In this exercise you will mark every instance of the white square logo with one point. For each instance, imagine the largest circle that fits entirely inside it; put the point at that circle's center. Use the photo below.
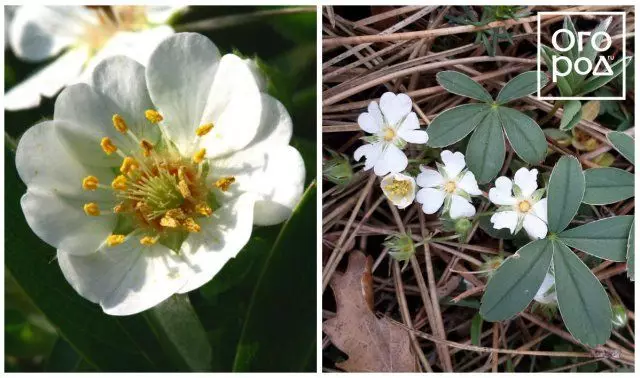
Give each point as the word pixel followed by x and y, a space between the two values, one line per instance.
pixel 561 62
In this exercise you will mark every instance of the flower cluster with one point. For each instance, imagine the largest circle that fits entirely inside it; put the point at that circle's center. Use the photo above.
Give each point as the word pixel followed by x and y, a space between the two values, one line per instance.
pixel 450 187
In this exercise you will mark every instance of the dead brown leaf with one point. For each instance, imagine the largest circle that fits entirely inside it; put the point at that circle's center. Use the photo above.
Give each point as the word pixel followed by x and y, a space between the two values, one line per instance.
pixel 372 344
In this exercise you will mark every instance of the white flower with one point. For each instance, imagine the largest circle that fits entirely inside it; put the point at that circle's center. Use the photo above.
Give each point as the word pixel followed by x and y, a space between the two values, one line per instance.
pixel 399 189
pixel 547 292
pixel 522 208
pixel 451 185
pixel 147 181
pixel 392 124
pixel 85 37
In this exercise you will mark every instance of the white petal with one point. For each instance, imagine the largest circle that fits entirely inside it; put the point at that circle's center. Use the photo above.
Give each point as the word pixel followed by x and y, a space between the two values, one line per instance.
pixel 258 75
pixel 505 219
pixel 469 184
pixel 275 127
pixel 539 209
pixel 47 81
pixel 128 278
pixel 376 113
pixel 501 194
pixel 372 153
pixel 429 178
pixel 536 228
pixel 222 236
pixel 179 77
pixel 431 199
pixel 403 201
pixel 135 45
pixel 453 162
pixel 541 295
pixel 460 207
pixel 395 107
pixel 392 160
pixel 526 181
pixel 409 130
pixel 160 14
pixel 368 123
pixel 234 106
pixel 40 32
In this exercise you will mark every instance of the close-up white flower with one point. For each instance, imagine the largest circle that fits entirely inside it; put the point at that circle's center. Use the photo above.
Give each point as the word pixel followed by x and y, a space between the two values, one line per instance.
pixel 148 180
pixel 546 294
pixel 521 204
pixel 392 125
pixel 450 187
pixel 399 189
pixel 80 38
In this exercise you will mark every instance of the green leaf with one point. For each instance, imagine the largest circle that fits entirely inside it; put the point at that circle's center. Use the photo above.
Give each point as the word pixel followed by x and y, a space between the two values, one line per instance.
pixel 607 185
pixel 461 84
pixel 279 332
pixel 588 50
pixel 564 193
pixel 582 300
pixel 456 123
pixel 605 238
pixel 517 281
pixel 631 253
pixel 63 358
pixel 520 86
pixel 476 329
pixel 485 150
pixel 524 135
pixel 571 114
pixel 595 82
pixel 563 84
pixel 623 143
pixel 181 332
pixel 574 53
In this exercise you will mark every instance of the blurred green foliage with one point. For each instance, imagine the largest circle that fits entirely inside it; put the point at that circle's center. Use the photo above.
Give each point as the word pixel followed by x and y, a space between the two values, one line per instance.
pixel 274 275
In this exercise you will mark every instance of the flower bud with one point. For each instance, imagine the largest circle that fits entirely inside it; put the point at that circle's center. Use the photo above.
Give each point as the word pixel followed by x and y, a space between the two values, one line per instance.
pixel 337 169
pixel 462 227
pixel 400 246
pixel 619 318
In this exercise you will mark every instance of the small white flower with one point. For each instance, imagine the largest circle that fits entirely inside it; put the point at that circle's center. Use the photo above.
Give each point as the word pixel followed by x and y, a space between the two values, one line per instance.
pixel 147 181
pixel 85 37
pixel 392 124
pixel 547 292
pixel 399 189
pixel 520 204
pixel 451 185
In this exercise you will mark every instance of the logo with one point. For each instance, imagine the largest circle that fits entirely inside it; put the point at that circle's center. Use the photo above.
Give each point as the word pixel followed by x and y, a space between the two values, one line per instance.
pixel 577 59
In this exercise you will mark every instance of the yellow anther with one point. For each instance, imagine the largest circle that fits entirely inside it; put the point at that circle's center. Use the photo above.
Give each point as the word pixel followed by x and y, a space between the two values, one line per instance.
pixel 90 183
pixel 148 240
pixel 524 206
pixel 115 239
pixel 198 157
pixel 119 183
pixel 119 123
pixel 153 116
pixel 204 209
pixel 183 187
pixel 224 183
pixel 191 225
pixel 147 147
pixel 389 134
pixel 399 188
pixel 92 209
pixel 107 146
pixel 168 221
pixel 176 214
pixel 204 129
pixel 119 208
pixel 129 164
pixel 450 187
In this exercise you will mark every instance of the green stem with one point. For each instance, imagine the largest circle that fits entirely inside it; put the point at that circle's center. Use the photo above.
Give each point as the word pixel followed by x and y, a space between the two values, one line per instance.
pixel 552 112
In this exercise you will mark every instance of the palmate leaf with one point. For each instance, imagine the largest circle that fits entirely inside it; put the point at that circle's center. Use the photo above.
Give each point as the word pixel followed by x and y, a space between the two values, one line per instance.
pixel 607 185
pixel 624 144
pixel 571 114
pixel 595 82
pixel 605 238
pixel 565 192
pixel 485 151
pixel 583 302
pixel 461 84
pixel 631 253
pixel 588 50
pixel 520 86
pixel 563 84
pixel 456 123
pixel 524 134
pixel 516 281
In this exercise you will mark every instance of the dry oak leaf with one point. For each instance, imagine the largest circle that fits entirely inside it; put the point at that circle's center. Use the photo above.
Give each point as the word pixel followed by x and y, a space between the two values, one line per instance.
pixel 372 344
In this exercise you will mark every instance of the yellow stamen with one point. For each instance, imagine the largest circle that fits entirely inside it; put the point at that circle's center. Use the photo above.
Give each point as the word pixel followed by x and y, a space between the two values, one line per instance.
pixel 119 183
pixel 176 213
pixel 204 129
pixel 153 116
pixel 119 123
pixel 90 183
pixel 524 206
pixel 147 147
pixel 224 183
pixel 191 225
pixel 198 157
pixel 107 146
pixel 129 164
pixel 204 209
pixel 168 221
pixel 389 134
pixel 184 189
pixel 399 188
pixel 92 209
pixel 115 239
pixel 148 240
pixel 119 208
pixel 450 187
